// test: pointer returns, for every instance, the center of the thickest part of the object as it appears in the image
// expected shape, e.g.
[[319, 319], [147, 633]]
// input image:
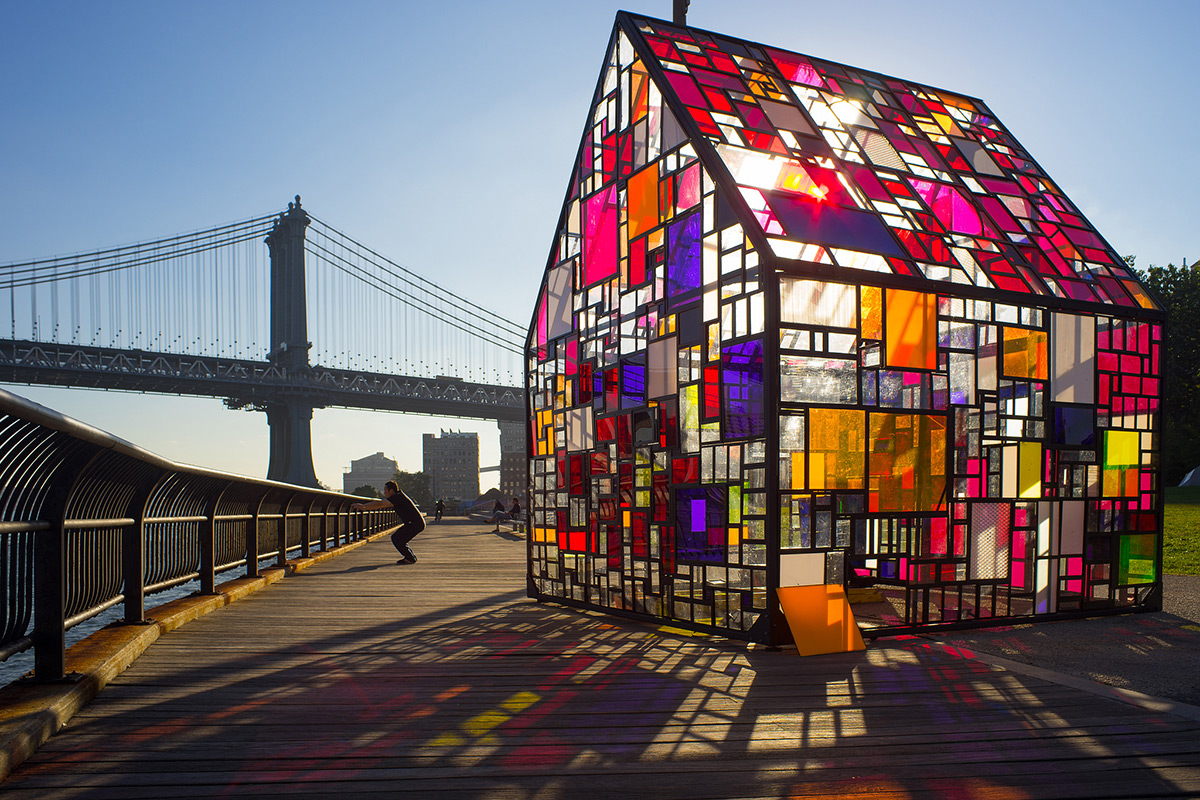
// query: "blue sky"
[[442, 134]]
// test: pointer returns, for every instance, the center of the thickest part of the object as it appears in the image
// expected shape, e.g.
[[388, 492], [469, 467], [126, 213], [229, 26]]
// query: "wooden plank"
[[440, 680]]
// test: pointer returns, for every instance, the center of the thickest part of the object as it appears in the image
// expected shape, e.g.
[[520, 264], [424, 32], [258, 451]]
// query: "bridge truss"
[[205, 314]]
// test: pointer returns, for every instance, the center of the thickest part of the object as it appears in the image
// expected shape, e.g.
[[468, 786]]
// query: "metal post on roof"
[[680, 14]]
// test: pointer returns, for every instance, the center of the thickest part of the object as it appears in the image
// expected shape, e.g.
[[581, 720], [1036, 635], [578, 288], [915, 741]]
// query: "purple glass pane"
[[700, 521], [633, 384], [742, 388], [683, 256], [810, 221]]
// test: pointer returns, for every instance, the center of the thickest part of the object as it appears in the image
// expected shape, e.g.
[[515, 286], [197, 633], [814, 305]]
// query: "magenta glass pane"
[[952, 209], [797, 69], [600, 236], [687, 90]]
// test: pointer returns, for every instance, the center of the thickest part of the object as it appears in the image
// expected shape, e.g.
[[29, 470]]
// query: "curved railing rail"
[[89, 521]]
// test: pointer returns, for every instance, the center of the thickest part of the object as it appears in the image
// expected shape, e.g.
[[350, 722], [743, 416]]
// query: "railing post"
[[208, 552], [133, 556], [50, 603], [50, 576], [281, 534], [208, 544], [252, 539], [306, 530]]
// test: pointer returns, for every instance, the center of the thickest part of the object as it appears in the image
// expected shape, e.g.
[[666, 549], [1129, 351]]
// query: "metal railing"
[[89, 521]]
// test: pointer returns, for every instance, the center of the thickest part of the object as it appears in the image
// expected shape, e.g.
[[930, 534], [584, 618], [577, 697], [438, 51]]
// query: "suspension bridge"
[[318, 320]]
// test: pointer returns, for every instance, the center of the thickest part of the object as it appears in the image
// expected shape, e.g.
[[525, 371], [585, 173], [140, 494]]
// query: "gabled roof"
[[831, 165]]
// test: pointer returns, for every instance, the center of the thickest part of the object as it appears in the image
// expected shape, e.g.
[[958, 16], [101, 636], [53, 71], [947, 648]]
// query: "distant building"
[[373, 471], [514, 461], [452, 463]]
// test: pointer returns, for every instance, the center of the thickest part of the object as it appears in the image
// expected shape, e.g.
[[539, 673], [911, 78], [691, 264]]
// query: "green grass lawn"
[[1181, 534]]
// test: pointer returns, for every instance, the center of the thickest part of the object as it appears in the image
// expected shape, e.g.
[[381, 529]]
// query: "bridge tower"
[[290, 416]]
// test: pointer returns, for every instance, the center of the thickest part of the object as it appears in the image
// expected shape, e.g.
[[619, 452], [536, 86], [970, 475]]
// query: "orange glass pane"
[[908, 462], [836, 448], [911, 320], [820, 619], [1025, 354], [643, 201], [639, 93], [872, 312]]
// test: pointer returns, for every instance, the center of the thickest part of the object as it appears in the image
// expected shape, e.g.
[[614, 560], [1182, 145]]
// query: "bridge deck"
[[441, 680]]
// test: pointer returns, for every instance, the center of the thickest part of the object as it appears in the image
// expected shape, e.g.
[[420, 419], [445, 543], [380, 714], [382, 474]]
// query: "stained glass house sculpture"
[[806, 324]]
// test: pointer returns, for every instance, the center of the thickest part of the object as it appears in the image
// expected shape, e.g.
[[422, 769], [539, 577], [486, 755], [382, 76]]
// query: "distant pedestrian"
[[515, 512], [412, 521], [498, 515]]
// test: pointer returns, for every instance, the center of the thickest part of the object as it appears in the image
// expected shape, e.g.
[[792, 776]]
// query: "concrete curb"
[[32, 713]]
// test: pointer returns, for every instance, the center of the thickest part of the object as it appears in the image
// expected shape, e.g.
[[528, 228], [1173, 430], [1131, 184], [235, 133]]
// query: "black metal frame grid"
[[618, 473]]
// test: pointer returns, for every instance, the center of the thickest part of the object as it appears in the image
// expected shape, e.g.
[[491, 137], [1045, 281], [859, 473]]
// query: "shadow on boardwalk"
[[441, 681]]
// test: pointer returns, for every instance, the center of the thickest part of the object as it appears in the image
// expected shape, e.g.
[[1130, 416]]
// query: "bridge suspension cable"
[[59, 268], [504, 333], [207, 293], [419, 327], [200, 293]]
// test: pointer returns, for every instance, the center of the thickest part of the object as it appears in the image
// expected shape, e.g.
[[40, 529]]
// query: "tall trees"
[[1179, 290], [417, 486]]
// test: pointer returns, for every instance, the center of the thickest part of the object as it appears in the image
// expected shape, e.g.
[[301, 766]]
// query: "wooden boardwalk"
[[362, 678]]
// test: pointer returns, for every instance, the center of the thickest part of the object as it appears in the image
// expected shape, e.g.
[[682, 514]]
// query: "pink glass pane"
[[600, 236], [949, 206]]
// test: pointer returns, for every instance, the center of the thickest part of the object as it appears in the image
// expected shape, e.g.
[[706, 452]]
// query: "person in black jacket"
[[412, 521]]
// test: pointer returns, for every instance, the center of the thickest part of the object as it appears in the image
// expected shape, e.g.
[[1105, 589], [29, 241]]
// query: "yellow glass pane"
[[1029, 469], [816, 468], [689, 418], [545, 432], [947, 123], [836, 448], [872, 312], [643, 201], [1025, 354], [1121, 448], [798, 477], [1110, 483], [911, 329], [1122, 455], [655, 240]]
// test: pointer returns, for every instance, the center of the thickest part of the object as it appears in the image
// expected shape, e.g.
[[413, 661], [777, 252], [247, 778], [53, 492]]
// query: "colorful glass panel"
[[808, 321], [836, 455], [911, 325]]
